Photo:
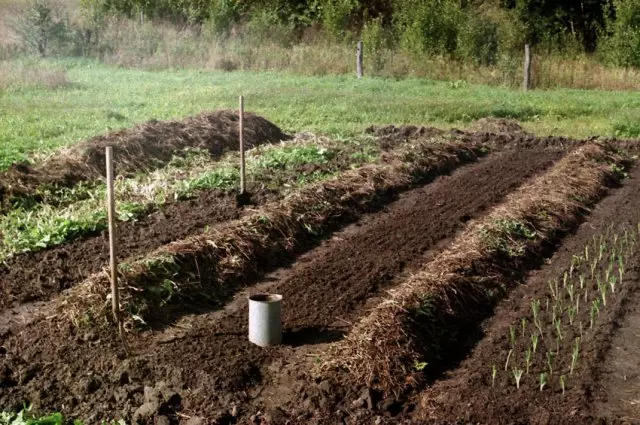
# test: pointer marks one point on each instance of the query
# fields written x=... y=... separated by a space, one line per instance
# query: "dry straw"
x=216 y=263
x=404 y=330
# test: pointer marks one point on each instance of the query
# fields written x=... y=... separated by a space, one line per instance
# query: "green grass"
x=101 y=98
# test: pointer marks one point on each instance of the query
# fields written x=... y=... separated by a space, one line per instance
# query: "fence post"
x=526 y=85
x=241 y=137
x=111 y=214
x=359 y=60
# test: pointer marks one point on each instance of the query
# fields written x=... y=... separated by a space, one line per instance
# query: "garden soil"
x=203 y=365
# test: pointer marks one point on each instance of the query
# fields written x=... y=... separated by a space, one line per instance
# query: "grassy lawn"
x=35 y=120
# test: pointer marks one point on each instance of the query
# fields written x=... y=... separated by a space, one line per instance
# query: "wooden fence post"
x=526 y=85
x=359 y=60
x=111 y=214
x=241 y=137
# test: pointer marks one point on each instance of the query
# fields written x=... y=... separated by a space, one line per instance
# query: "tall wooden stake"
x=111 y=212
x=241 y=137
x=526 y=85
x=359 y=60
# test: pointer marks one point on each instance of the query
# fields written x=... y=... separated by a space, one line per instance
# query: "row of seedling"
x=545 y=346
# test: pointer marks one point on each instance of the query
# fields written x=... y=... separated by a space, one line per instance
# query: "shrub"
x=622 y=46
x=429 y=26
x=374 y=41
x=336 y=14
x=479 y=40
x=44 y=32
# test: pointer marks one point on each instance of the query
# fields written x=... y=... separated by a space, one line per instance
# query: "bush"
x=429 y=26
x=336 y=14
x=223 y=14
x=45 y=33
x=622 y=46
x=479 y=40
x=374 y=43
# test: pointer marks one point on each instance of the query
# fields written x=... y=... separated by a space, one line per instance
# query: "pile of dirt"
x=144 y=147
x=452 y=293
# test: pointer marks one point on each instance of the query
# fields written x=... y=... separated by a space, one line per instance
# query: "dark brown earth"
x=206 y=358
x=146 y=146
x=598 y=392
x=39 y=275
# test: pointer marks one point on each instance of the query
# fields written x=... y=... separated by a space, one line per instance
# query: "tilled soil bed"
x=602 y=389
x=206 y=359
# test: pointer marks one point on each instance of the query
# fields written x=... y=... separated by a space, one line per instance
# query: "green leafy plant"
x=574 y=354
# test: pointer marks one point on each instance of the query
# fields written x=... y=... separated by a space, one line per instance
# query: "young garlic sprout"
x=574 y=354
x=527 y=359
x=535 y=309
x=586 y=253
x=552 y=288
x=565 y=279
x=602 y=287
x=550 y=358
x=494 y=373
x=542 y=380
x=593 y=268
x=523 y=325
x=612 y=283
x=571 y=311
x=581 y=281
x=620 y=268
x=562 y=383
x=517 y=376
x=570 y=291
x=512 y=336
x=534 y=341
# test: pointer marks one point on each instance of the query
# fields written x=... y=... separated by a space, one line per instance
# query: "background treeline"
x=584 y=44
x=478 y=30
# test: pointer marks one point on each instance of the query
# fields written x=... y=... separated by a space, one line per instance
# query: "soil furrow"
x=601 y=387
x=329 y=287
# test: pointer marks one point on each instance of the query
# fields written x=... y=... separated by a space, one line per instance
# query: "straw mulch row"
x=144 y=147
x=417 y=329
x=210 y=267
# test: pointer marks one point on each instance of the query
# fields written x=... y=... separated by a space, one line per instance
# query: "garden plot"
x=344 y=250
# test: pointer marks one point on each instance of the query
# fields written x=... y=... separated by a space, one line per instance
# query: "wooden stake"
x=111 y=212
x=359 y=60
x=526 y=85
x=241 y=136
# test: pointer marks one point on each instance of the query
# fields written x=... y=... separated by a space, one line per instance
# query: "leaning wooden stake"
x=359 y=60
x=241 y=137
x=526 y=85
x=111 y=213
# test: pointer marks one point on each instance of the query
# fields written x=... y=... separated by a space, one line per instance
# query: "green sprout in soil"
x=494 y=373
x=562 y=383
x=571 y=311
x=523 y=325
x=535 y=308
x=517 y=376
x=558 y=327
x=512 y=336
x=550 y=358
x=570 y=291
x=542 y=380
x=612 y=283
x=620 y=268
x=527 y=359
x=574 y=354
x=581 y=282
x=534 y=342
